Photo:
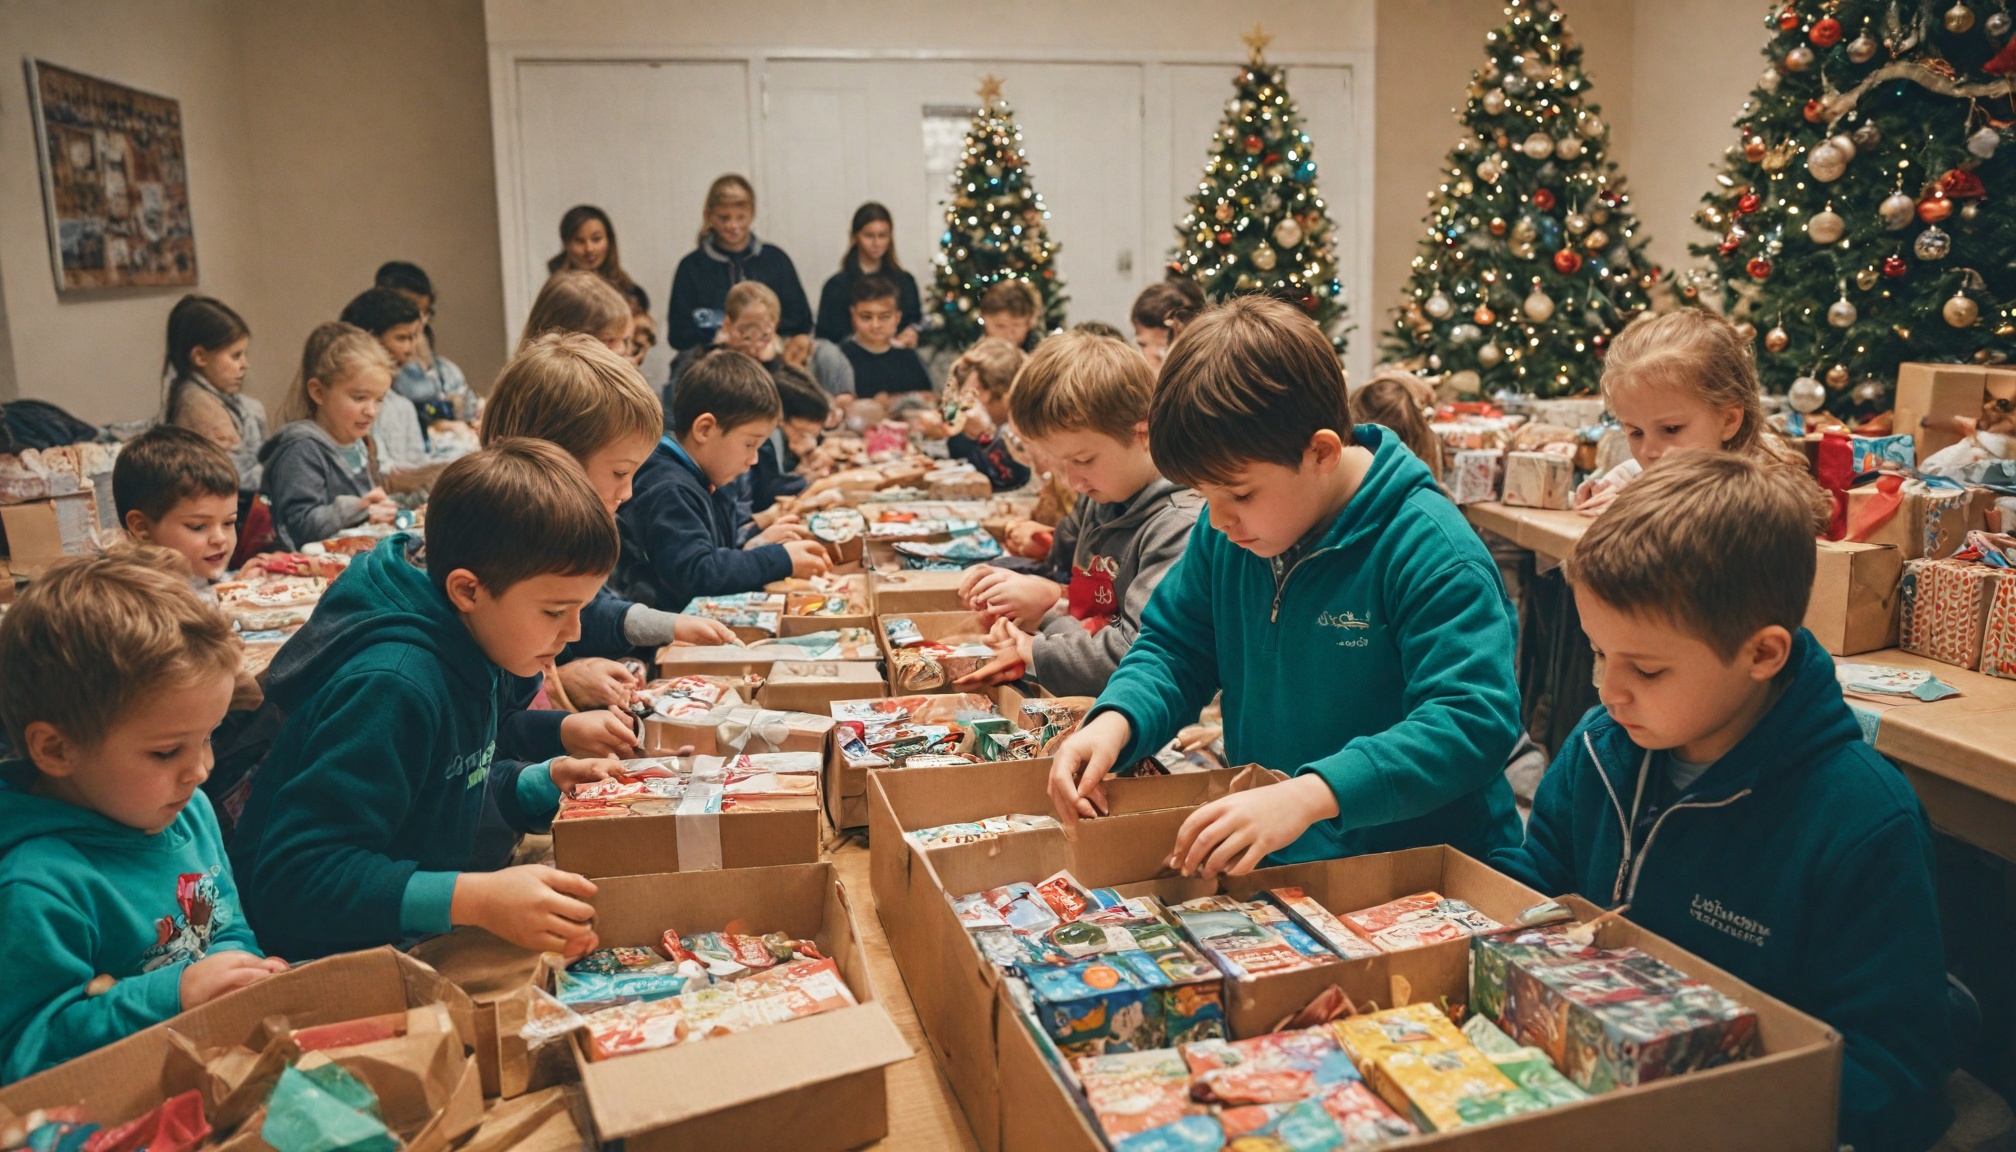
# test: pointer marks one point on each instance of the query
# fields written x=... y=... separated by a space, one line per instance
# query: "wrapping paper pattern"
x=1945 y=606
x=1473 y=475
x=1539 y=480
x=1998 y=643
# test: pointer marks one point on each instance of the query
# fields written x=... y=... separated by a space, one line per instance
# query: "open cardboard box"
x=124 y=1080
x=637 y=844
x=844 y=787
x=900 y=591
x=815 y=1082
x=939 y=626
x=860 y=592
x=676 y=660
x=498 y=977
x=813 y=685
x=41 y=532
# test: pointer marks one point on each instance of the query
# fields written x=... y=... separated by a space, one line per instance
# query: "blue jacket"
x=700 y=290
x=1800 y=862
x=679 y=537
x=1382 y=663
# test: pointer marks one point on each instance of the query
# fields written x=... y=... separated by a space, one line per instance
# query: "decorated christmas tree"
x=1256 y=222
x=1532 y=260
x=1864 y=218
x=994 y=229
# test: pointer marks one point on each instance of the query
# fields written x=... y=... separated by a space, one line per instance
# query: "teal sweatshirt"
x=1800 y=862
x=1382 y=662
x=82 y=895
x=366 y=809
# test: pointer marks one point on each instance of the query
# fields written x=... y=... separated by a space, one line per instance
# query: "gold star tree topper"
x=990 y=89
x=1256 y=42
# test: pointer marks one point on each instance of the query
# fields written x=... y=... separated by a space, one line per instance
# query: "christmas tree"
x=1256 y=222
x=994 y=228
x=1532 y=260
x=1864 y=218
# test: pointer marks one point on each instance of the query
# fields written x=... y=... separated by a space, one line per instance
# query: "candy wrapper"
x=1869 y=453
x=836 y=525
x=1474 y=475
x=1418 y=920
x=1319 y=922
x=973 y=832
x=1278 y=1068
x=1529 y=1068
x=798 y=989
x=1538 y=480
x=965 y=549
x=1136 y=1092
x=1422 y=1065
x=1249 y=939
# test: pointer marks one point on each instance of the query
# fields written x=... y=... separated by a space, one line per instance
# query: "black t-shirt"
x=896 y=370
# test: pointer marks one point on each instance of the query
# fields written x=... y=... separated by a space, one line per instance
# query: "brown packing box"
x=125 y=1079
x=813 y=685
x=676 y=660
x=1919 y=512
x=859 y=588
x=499 y=977
x=901 y=592
x=940 y=626
x=41 y=532
x=781 y=732
x=1853 y=608
x=636 y=844
x=843 y=788
x=815 y=1082
x=550 y=1120
x=1929 y=396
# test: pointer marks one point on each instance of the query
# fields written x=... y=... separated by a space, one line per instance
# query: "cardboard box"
x=815 y=1082
x=1944 y=607
x=859 y=589
x=844 y=787
x=1930 y=395
x=638 y=844
x=41 y=532
x=1931 y=523
x=940 y=626
x=1854 y=604
x=498 y=977
x=733 y=728
x=899 y=593
x=813 y=685
x=676 y=660
x=125 y=1079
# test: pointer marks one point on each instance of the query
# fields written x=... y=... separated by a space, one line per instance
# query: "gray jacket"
x=310 y=485
x=1139 y=540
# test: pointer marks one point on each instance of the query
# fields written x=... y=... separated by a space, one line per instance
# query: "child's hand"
x=531 y=905
x=599 y=732
x=1593 y=496
x=374 y=496
x=808 y=558
x=221 y=972
x=1015 y=652
x=595 y=682
x=701 y=630
x=1082 y=761
x=570 y=773
x=383 y=512
x=1231 y=835
x=1015 y=596
x=784 y=531
x=929 y=424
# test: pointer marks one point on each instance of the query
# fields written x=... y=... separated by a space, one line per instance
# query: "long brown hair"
x=870 y=213
x=612 y=265
x=575 y=301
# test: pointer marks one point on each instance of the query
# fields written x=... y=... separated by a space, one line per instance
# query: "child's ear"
x=1325 y=451
x=317 y=391
x=1141 y=434
x=137 y=525
x=704 y=427
x=1732 y=420
x=54 y=754
x=1769 y=650
x=463 y=589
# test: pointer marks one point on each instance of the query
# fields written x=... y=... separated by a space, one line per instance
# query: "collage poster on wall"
x=115 y=183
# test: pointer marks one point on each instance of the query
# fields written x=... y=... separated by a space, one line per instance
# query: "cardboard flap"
x=639 y=1093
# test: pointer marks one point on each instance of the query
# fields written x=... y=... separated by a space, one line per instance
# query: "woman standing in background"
x=588 y=244
x=871 y=251
x=729 y=253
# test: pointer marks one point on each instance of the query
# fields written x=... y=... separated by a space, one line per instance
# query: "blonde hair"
x=1697 y=351
x=570 y=390
x=1394 y=398
x=994 y=361
x=727 y=188
x=751 y=293
x=334 y=352
x=94 y=636
x=1082 y=380
x=575 y=301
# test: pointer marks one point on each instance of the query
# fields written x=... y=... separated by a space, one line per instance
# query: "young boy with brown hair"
x=1724 y=791
x=880 y=364
x=1082 y=400
x=1355 y=622
x=361 y=823
x=114 y=885
x=1008 y=311
x=178 y=489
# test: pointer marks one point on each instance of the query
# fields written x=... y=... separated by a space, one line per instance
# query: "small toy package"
x=1418 y=920
x=1248 y=939
x=1321 y=923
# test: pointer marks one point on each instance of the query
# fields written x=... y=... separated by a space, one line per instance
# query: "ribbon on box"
x=697 y=824
x=1834 y=467
x=747 y=728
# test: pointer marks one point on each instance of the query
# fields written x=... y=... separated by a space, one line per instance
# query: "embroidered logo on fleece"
x=1714 y=915
x=1353 y=625
x=187 y=936
x=473 y=767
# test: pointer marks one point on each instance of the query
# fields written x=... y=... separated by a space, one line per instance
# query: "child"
x=1676 y=381
x=805 y=410
x=1008 y=311
x=679 y=528
x=1724 y=791
x=396 y=321
x=113 y=879
x=320 y=472
x=729 y=253
x=588 y=244
x=871 y=251
x=1355 y=622
x=1082 y=401
x=1396 y=400
x=880 y=365
x=1161 y=311
x=750 y=327
x=363 y=818
x=981 y=379
x=431 y=381
x=207 y=348
x=177 y=489
x=580 y=302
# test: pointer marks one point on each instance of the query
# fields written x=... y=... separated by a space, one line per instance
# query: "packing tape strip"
x=697 y=823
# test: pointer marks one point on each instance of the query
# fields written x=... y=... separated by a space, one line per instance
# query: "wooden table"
x=1959 y=754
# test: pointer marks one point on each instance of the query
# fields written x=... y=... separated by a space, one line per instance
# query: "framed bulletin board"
x=115 y=182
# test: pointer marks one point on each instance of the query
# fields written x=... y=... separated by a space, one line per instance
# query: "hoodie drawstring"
x=1629 y=864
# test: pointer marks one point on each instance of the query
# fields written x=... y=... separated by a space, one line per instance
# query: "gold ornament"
x=1256 y=43
x=1288 y=233
x=1222 y=213
x=1777 y=340
x=1959 y=18
x=990 y=89
x=1865 y=279
x=1826 y=227
x=1263 y=258
x=1960 y=312
x=1837 y=376
x=1490 y=355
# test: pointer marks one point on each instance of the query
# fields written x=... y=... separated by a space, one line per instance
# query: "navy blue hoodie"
x=679 y=537
x=1800 y=862
x=700 y=290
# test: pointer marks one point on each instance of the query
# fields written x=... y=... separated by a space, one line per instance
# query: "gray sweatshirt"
x=310 y=484
x=1137 y=541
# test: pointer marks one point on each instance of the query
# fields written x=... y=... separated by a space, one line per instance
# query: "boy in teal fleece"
x=1724 y=792
x=361 y=823
x=1356 y=624
x=118 y=902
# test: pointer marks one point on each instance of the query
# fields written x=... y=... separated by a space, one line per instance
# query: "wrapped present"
x=1921 y=519
x=1422 y=1065
x=1418 y=920
x=1998 y=640
x=1320 y=922
x=1539 y=480
x=1248 y=939
x=962 y=482
x=1945 y=607
x=1870 y=453
x=1529 y=1068
x=1474 y=474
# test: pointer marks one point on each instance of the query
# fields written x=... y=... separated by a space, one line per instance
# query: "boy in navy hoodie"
x=113 y=883
x=1723 y=789
x=680 y=527
x=361 y=823
x=1356 y=623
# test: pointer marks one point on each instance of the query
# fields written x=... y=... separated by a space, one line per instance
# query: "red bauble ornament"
x=1749 y=202
x=1729 y=244
x=1961 y=184
x=1253 y=144
x=1754 y=149
x=1309 y=303
x=1894 y=267
x=1224 y=237
x=1759 y=268
x=1543 y=200
x=1935 y=207
x=1610 y=196
x=1788 y=20
x=1826 y=32
x=1567 y=261
x=1815 y=111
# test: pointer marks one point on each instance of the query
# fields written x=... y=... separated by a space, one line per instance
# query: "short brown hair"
x=93 y=636
x=517 y=509
x=1169 y=304
x=1720 y=544
x=1250 y=381
x=1078 y=380
x=166 y=465
x=749 y=292
x=1015 y=297
x=733 y=388
x=575 y=302
x=1695 y=350
x=993 y=361
x=571 y=390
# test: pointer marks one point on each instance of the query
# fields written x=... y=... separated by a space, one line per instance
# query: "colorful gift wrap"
x=1321 y=923
x=1998 y=639
x=1298 y=1126
x=1872 y=452
x=1419 y=920
x=1248 y=939
x=1529 y=1068
x=1134 y=1092
x=1430 y=1085
x=1124 y=1002
x=1473 y=475
x=1539 y=480
x=1946 y=607
x=1412 y=1027
x=1362 y=1117
x=1281 y=1067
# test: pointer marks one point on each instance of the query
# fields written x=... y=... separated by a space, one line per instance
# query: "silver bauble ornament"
x=1932 y=244
x=1465 y=334
x=1494 y=102
x=1897 y=211
x=1958 y=19
x=1862 y=49
x=1438 y=306
x=1806 y=394
x=1845 y=143
x=1867 y=136
x=1516 y=85
x=1568 y=147
x=1777 y=340
x=1576 y=223
x=1997 y=24
x=1263 y=258
x=1841 y=313
x=1983 y=142
x=1826 y=227
x=1960 y=312
x=1538 y=306
x=1768 y=81
x=1826 y=162
x=1288 y=233
x=1490 y=355
x=1799 y=59
x=1538 y=146
x=1490 y=168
